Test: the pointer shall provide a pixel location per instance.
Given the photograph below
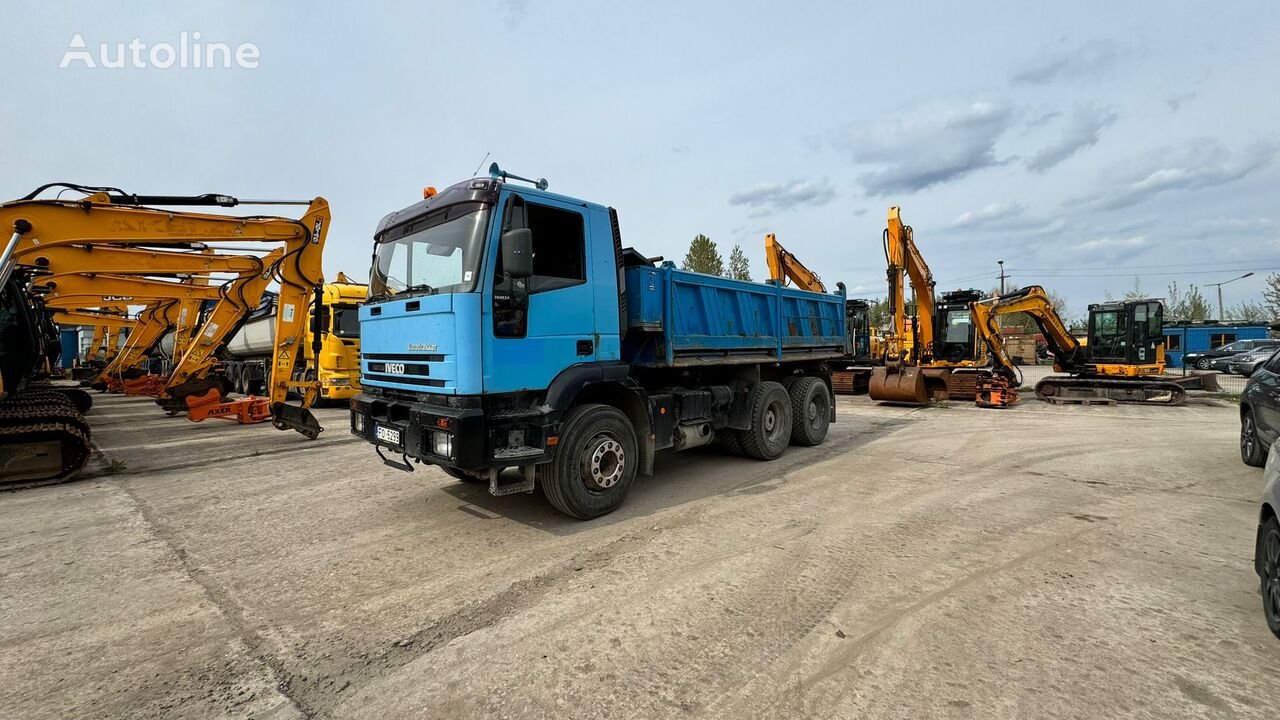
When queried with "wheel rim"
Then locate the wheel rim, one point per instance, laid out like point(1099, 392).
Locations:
point(815, 412)
point(604, 462)
point(773, 421)
point(1246, 435)
point(1271, 577)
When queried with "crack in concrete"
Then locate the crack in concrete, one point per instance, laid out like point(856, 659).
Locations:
point(227, 606)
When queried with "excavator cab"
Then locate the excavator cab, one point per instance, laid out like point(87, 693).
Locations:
point(1130, 332)
point(955, 339)
point(857, 320)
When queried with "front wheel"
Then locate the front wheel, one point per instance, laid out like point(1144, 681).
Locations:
point(1269, 567)
point(1251, 450)
point(1203, 363)
point(595, 462)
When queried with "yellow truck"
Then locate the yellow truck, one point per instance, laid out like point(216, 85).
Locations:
point(247, 356)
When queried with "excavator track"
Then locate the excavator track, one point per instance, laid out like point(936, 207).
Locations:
point(44, 440)
point(1135, 391)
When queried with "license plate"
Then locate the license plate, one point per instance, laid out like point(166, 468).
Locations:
point(386, 434)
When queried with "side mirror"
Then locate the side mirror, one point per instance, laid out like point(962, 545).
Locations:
point(517, 252)
point(320, 321)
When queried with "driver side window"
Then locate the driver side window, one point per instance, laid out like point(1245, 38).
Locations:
point(559, 249)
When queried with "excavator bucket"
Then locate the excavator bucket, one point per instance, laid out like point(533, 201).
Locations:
point(292, 417)
point(902, 385)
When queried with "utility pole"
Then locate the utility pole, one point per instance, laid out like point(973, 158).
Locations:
point(1001, 262)
point(1219, 286)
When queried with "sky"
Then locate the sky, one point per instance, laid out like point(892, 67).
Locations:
point(1088, 145)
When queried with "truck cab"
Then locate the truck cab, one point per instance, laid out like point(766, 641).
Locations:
point(506, 329)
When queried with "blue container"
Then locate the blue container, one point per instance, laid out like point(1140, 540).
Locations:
point(70, 340)
point(1183, 338)
point(677, 318)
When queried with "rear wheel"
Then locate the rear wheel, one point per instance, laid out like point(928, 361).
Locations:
point(770, 430)
point(1269, 554)
point(594, 465)
point(1251, 450)
point(810, 411)
point(729, 440)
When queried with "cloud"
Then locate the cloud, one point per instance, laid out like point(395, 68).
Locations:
point(1110, 250)
point(927, 146)
point(769, 197)
point(1082, 131)
point(1089, 60)
point(1042, 119)
point(1198, 164)
point(1176, 102)
point(993, 213)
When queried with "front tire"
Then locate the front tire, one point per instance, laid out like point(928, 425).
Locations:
point(810, 411)
point(1251, 450)
point(595, 462)
point(1269, 555)
point(770, 430)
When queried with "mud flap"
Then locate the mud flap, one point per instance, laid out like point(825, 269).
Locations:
point(292, 417)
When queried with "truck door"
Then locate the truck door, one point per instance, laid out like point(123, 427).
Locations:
point(540, 325)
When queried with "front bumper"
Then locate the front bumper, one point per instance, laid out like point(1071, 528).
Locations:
point(464, 437)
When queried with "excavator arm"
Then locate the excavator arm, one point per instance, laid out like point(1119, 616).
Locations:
point(191, 374)
point(905, 263)
point(784, 266)
point(1035, 302)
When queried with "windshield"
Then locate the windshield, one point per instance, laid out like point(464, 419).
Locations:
point(346, 321)
point(438, 253)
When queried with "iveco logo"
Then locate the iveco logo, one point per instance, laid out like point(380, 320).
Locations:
point(395, 368)
point(422, 348)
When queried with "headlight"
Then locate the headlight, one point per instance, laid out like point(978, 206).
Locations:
point(357, 421)
point(442, 444)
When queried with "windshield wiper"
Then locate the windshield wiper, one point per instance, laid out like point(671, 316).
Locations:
point(416, 288)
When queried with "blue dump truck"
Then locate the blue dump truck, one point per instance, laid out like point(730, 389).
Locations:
point(510, 339)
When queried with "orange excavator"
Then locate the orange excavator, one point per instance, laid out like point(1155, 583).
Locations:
point(939, 357)
point(110, 217)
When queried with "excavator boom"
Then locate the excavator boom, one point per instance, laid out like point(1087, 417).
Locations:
point(784, 266)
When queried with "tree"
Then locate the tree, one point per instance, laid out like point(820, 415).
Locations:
point(1189, 305)
point(703, 257)
point(1248, 311)
point(1271, 295)
point(739, 267)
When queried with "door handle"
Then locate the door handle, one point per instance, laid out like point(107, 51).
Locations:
point(586, 347)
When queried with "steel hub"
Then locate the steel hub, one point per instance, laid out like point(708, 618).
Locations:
point(813, 418)
point(1246, 436)
point(604, 462)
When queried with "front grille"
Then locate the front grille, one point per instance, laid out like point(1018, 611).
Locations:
point(403, 380)
point(412, 357)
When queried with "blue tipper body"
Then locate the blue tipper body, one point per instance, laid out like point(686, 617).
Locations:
point(693, 319)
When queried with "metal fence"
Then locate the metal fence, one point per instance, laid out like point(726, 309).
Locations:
point(1214, 381)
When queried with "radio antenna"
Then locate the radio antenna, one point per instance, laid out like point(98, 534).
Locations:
point(477, 170)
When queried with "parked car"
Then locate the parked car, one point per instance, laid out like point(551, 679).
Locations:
point(1260, 412)
point(1266, 549)
point(1247, 363)
point(1203, 359)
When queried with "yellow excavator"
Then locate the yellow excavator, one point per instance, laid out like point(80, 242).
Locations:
point(106, 216)
point(866, 347)
point(935, 354)
point(1122, 360)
